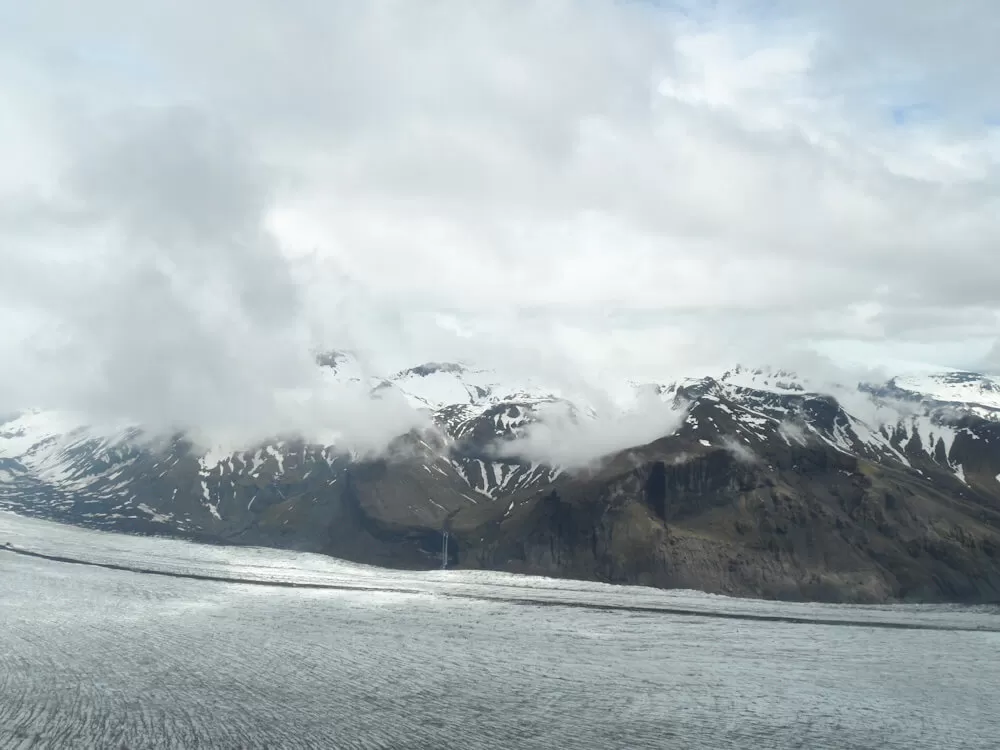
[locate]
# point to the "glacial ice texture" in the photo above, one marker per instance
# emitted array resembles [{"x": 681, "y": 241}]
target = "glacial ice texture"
[{"x": 92, "y": 657}]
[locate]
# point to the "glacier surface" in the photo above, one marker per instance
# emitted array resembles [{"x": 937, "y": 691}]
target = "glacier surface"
[{"x": 162, "y": 656}]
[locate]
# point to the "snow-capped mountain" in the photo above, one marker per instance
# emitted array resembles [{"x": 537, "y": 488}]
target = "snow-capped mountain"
[
  {"x": 915, "y": 460},
  {"x": 968, "y": 391}
]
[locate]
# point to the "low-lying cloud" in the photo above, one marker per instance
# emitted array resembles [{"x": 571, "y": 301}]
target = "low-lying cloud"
[
  {"x": 740, "y": 452},
  {"x": 563, "y": 437}
]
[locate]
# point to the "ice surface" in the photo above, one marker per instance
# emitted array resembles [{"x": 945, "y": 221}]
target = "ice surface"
[
  {"x": 29, "y": 429},
  {"x": 954, "y": 387},
  {"x": 92, "y": 657},
  {"x": 764, "y": 379},
  {"x": 434, "y": 390}
]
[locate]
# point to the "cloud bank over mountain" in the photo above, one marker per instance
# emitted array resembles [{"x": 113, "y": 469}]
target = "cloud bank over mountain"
[{"x": 193, "y": 205}]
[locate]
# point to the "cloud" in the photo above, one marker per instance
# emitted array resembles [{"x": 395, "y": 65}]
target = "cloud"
[
  {"x": 582, "y": 191},
  {"x": 794, "y": 432},
  {"x": 739, "y": 451},
  {"x": 991, "y": 362},
  {"x": 181, "y": 312},
  {"x": 565, "y": 438}
]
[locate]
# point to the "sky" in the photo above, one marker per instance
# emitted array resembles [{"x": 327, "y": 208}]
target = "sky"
[{"x": 197, "y": 197}]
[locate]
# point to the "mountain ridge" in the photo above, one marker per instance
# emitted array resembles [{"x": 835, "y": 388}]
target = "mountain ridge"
[{"x": 753, "y": 482}]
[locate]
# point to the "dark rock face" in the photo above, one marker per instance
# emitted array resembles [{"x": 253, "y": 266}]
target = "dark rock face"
[
  {"x": 824, "y": 532},
  {"x": 429, "y": 368}
]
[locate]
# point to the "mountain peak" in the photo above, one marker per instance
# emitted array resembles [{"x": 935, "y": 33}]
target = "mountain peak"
[
  {"x": 432, "y": 368},
  {"x": 765, "y": 378},
  {"x": 333, "y": 358}
]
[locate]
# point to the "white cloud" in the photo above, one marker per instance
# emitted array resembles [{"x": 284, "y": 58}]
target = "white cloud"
[
  {"x": 572, "y": 441},
  {"x": 740, "y": 451},
  {"x": 577, "y": 190}
]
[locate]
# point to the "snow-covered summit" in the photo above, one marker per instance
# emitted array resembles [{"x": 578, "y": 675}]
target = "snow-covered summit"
[{"x": 968, "y": 389}]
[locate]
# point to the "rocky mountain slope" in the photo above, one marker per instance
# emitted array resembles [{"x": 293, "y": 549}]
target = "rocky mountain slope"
[{"x": 751, "y": 482}]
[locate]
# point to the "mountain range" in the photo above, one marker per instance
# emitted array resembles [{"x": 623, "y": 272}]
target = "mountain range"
[{"x": 752, "y": 482}]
